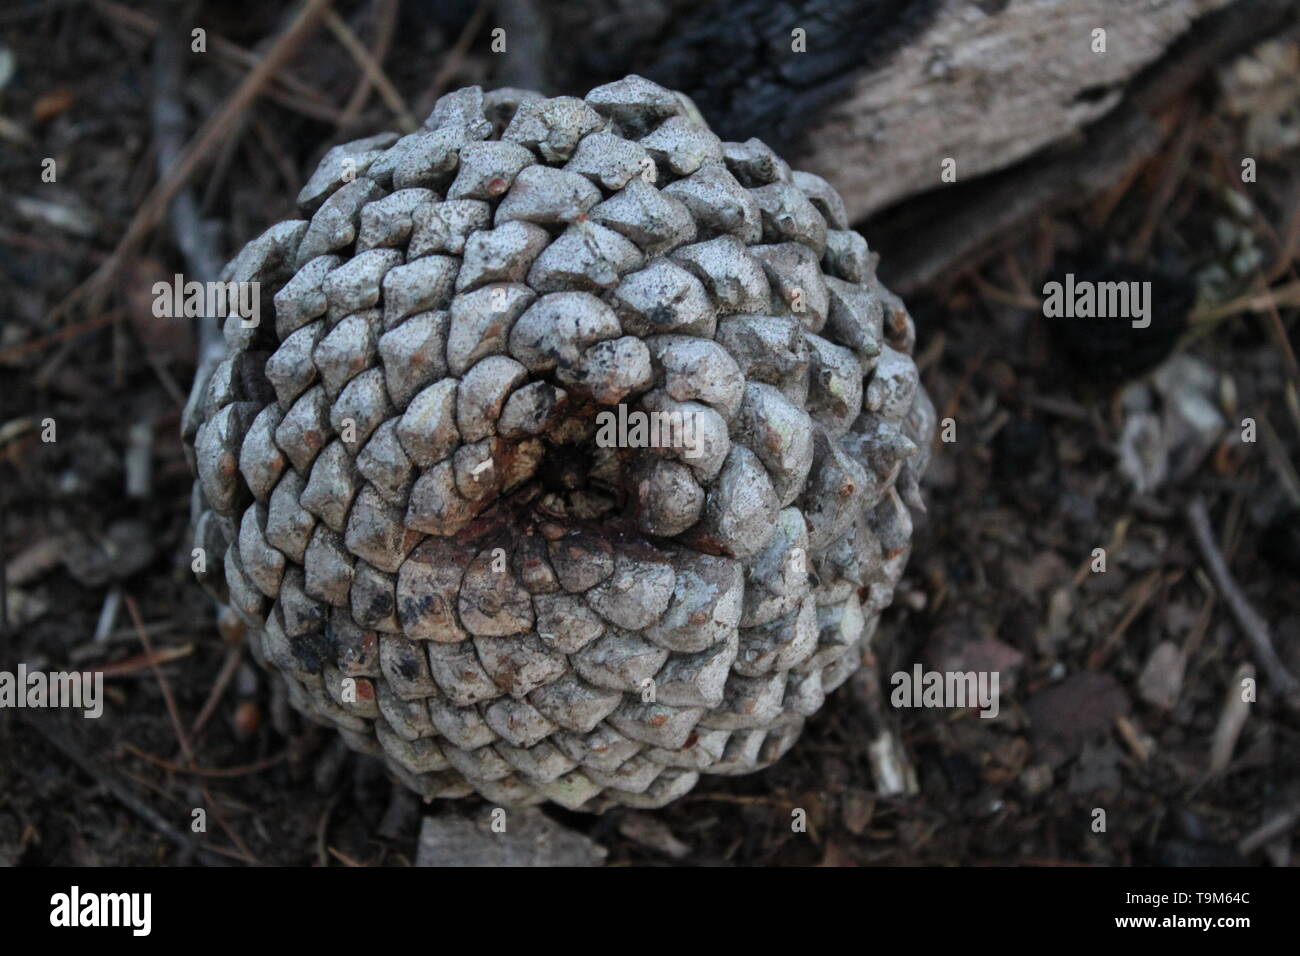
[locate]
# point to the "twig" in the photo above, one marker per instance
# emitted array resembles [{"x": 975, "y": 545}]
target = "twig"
[
  {"x": 123, "y": 794},
  {"x": 174, "y": 714},
  {"x": 1248, "y": 618},
  {"x": 344, "y": 858},
  {"x": 954, "y": 400},
  {"x": 137, "y": 462},
  {"x": 373, "y": 71},
  {"x": 285, "y": 88},
  {"x": 1290, "y": 237},
  {"x": 1288, "y": 294},
  {"x": 1279, "y": 333},
  {"x": 163, "y": 684},
  {"x": 62, "y": 335},
  {"x": 152, "y": 659},
  {"x": 457, "y": 53},
  {"x": 228, "y": 668},
  {"x": 243, "y": 771},
  {"x": 196, "y": 151},
  {"x": 41, "y": 556},
  {"x": 1278, "y": 458},
  {"x": 890, "y": 769},
  {"x": 322, "y": 828},
  {"x": 1232, "y": 719},
  {"x": 224, "y": 824},
  {"x": 385, "y": 24},
  {"x": 1133, "y": 739},
  {"x": 1142, "y": 593},
  {"x": 1017, "y": 300},
  {"x": 168, "y": 116},
  {"x": 1175, "y": 162},
  {"x": 1271, "y": 829}
]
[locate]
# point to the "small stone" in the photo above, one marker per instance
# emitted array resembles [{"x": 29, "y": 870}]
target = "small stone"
[{"x": 535, "y": 840}]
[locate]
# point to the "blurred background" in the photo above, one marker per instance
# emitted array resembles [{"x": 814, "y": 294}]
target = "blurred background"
[{"x": 134, "y": 149}]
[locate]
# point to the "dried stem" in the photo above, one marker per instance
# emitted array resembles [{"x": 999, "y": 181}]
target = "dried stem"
[{"x": 1248, "y": 618}]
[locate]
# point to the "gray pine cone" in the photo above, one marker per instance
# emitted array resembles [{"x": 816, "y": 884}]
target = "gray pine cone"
[{"x": 403, "y": 492}]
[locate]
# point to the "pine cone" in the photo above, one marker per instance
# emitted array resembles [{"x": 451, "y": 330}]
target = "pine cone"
[{"x": 402, "y": 487}]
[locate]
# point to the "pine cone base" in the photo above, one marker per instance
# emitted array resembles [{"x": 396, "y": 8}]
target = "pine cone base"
[{"x": 408, "y": 492}]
